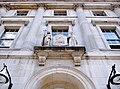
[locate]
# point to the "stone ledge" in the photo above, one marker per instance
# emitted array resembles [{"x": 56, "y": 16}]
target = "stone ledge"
[
  {"x": 103, "y": 54},
  {"x": 17, "y": 55}
]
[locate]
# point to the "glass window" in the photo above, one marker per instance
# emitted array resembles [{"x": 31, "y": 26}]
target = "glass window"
[
  {"x": 99, "y": 13},
  {"x": 60, "y": 13},
  {"x": 57, "y": 29},
  {"x": 8, "y": 36},
  {"x": 22, "y": 13},
  {"x": 112, "y": 37},
  {"x": 6, "y": 43}
]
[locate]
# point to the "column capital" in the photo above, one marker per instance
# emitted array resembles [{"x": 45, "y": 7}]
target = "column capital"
[
  {"x": 78, "y": 5},
  {"x": 7, "y": 6},
  {"x": 113, "y": 6},
  {"x": 41, "y": 5}
]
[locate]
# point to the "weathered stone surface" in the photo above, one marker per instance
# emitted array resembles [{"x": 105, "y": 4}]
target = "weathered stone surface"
[{"x": 59, "y": 70}]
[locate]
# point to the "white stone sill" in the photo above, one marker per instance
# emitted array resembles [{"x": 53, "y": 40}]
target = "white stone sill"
[{"x": 103, "y": 54}]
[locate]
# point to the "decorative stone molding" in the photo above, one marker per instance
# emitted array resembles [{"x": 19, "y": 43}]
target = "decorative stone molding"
[
  {"x": 14, "y": 22},
  {"x": 77, "y": 60},
  {"x": 95, "y": 22},
  {"x": 43, "y": 53},
  {"x": 94, "y": 6},
  {"x": 97, "y": 6},
  {"x": 77, "y": 57},
  {"x": 84, "y": 82},
  {"x": 21, "y": 6},
  {"x": 113, "y": 6},
  {"x": 41, "y": 5},
  {"x": 4, "y": 4},
  {"x": 78, "y": 5},
  {"x": 41, "y": 60},
  {"x": 59, "y": 6},
  {"x": 72, "y": 22},
  {"x": 41, "y": 57}
]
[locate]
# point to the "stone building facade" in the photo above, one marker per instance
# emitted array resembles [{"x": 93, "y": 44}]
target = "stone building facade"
[{"x": 60, "y": 44}]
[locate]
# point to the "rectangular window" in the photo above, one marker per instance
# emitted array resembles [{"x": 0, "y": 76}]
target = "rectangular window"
[
  {"x": 112, "y": 37},
  {"x": 99, "y": 13},
  {"x": 21, "y": 13},
  {"x": 8, "y": 36},
  {"x": 60, "y": 29},
  {"x": 60, "y": 13}
]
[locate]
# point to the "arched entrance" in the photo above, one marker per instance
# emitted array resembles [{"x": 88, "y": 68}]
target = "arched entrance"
[
  {"x": 60, "y": 81},
  {"x": 59, "y": 78}
]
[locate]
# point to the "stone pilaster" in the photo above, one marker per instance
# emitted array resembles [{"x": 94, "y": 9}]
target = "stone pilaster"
[
  {"x": 89, "y": 40},
  {"x": 31, "y": 38}
]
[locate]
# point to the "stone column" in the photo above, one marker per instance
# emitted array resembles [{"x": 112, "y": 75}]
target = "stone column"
[
  {"x": 117, "y": 11},
  {"x": 3, "y": 11},
  {"x": 88, "y": 37},
  {"x": 31, "y": 38}
]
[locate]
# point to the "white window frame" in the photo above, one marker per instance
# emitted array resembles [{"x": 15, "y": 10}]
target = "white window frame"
[
  {"x": 9, "y": 27},
  {"x": 91, "y": 11},
  {"x": 21, "y": 11},
  {"x": 107, "y": 45},
  {"x": 60, "y": 10},
  {"x": 61, "y": 29}
]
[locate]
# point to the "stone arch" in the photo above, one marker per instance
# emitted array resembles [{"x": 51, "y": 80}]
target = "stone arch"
[{"x": 56, "y": 76}]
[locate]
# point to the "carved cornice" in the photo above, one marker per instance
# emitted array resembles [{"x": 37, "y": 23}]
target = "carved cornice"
[
  {"x": 94, "y": 6},
  {"x": 60, "y": 5},
  {"x": 72, "y": 22},
  {"x": 97, "y": 6},
  {"x": 14, "y": 22},
  {"x": 22, "y": 6}
]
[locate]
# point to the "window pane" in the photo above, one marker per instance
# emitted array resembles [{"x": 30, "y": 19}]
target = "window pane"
[
  {"x": 21, "y": 13},
  {"x": 60, "y": 13},
  {"x": 99, "y": 13},
  {"x": 109, "y": 35},
  {"x": 6, "y": 42},
  {"x": 114, "y": 42},
  {"x": 65, "y": 33},
  {"x": 54, "y": 33},
  {"x": 9, "y": 35},
  {"x": 58, "y": 31}
]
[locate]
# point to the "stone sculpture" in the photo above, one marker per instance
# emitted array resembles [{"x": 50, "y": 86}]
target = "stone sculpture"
[
  {"x": 59, "y": 40},
  {"x": 72, "y": 40}
]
